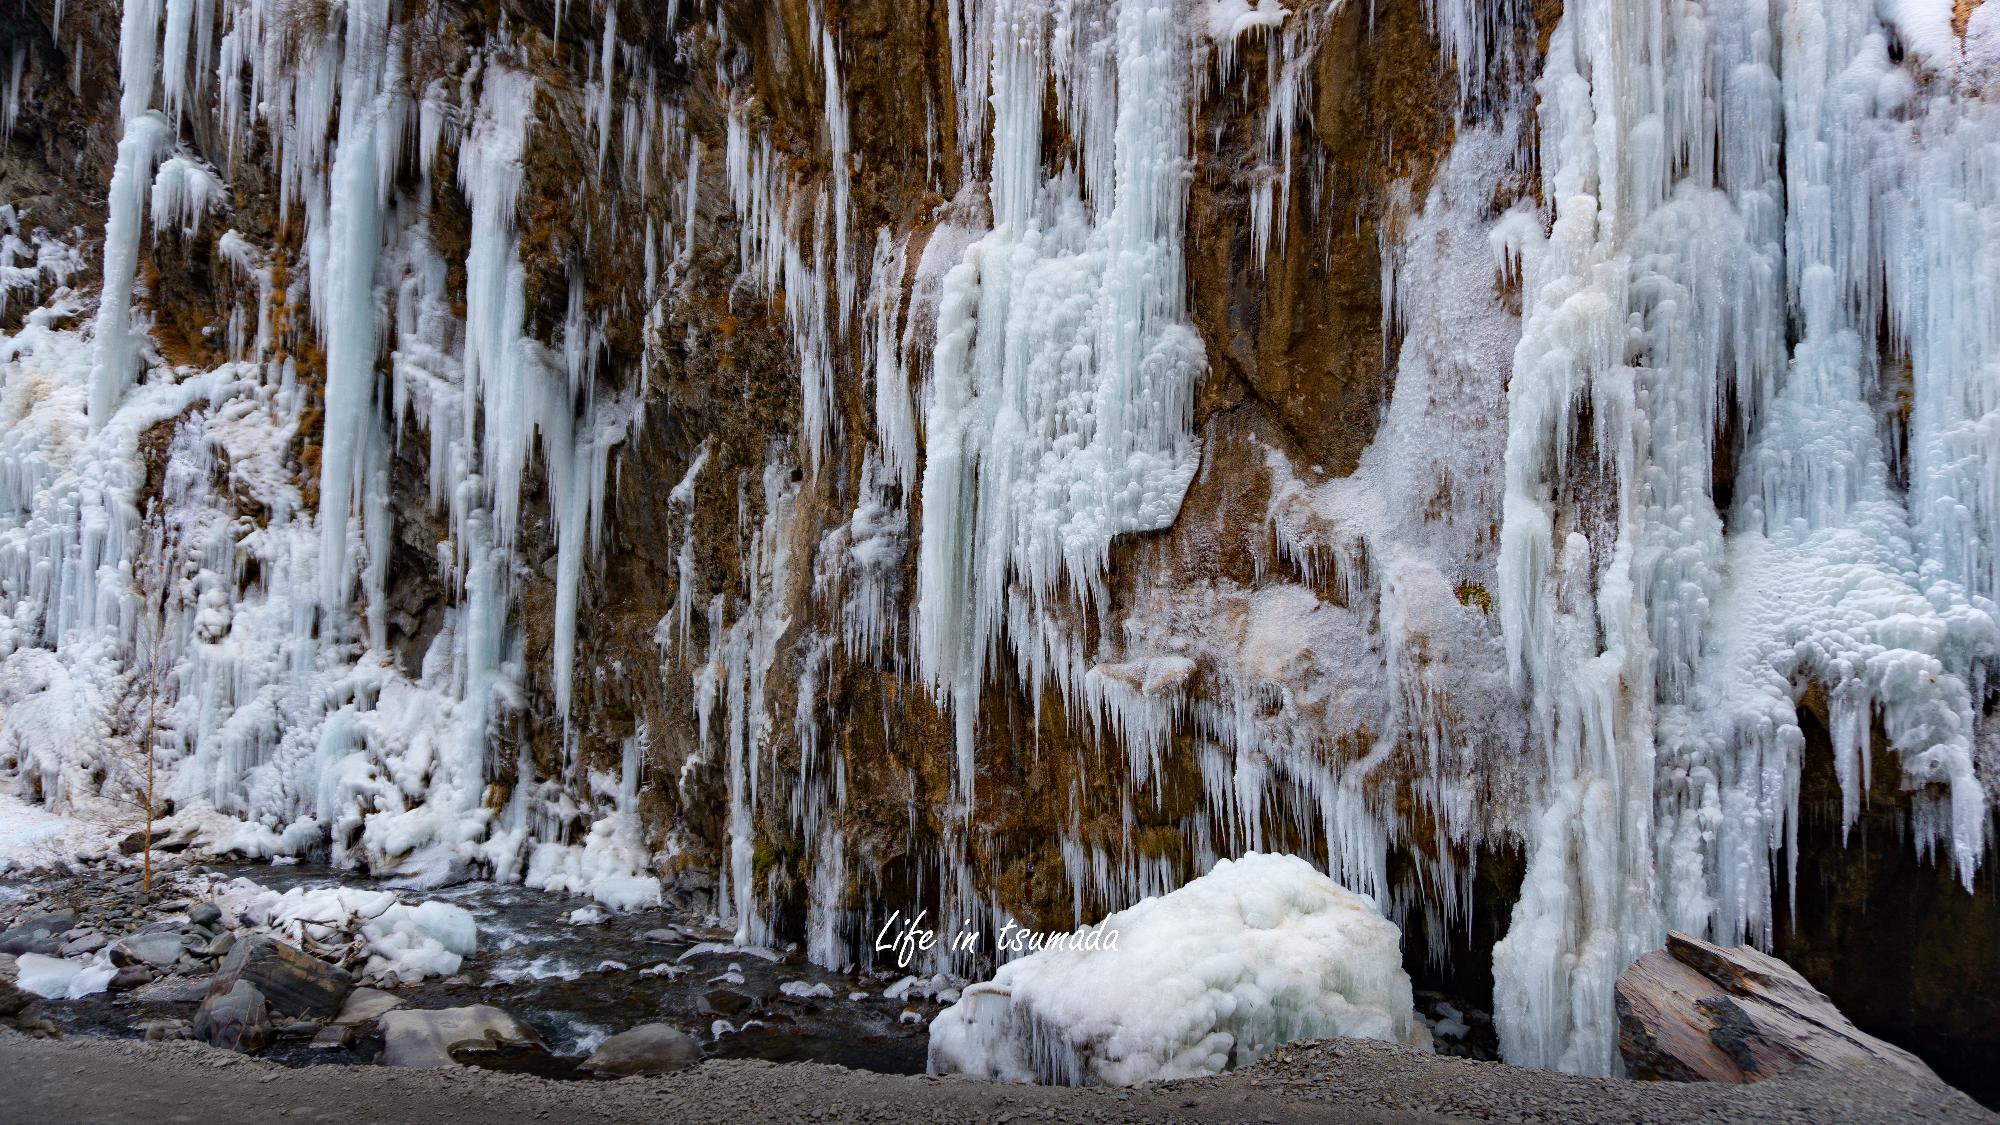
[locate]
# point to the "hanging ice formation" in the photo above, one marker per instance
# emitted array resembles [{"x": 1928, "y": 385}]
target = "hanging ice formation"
[
  {"x": 1735, "y": 456},
  {"x": 1741, "y": 195}
]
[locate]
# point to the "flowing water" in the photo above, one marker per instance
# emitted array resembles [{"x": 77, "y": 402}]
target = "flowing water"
[{"x": 577, "y": 984}]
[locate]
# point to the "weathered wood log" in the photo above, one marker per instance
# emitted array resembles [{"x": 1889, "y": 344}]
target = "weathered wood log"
[{"x": 1696, "y": 1012}]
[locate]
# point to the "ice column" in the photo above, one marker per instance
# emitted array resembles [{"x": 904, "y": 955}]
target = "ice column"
[{"x": 1064, "y": 367}]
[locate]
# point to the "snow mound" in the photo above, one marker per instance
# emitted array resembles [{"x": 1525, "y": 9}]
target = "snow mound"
[
  {"x": 427, "y": 939},
  {"x": 1259, "y": 952},
  {"x": 412, "y": 940}
]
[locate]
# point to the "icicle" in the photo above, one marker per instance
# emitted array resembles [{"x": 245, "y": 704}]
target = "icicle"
[{"x": 146, "y": 135}]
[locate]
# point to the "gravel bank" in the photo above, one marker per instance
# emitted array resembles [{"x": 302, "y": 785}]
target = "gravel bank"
[{"x": 158, "y": 1083}]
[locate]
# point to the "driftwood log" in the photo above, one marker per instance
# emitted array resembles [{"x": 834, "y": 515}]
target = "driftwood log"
[{"x": 1696, "y": 1012}]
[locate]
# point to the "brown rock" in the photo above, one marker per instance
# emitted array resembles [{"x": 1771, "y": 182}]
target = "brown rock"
[
  {"x": 1696, "y": 1012},
  {"x": 293, "y": 981}
]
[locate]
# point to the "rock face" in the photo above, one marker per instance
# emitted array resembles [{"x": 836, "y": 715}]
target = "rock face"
[
  {"x": 747, "y": 434},
  {"x": 653, "y": 1048},
  {"x": 446, "y": 1036},
  {"x": 237, "y": 1019},
  {"x": 296, "y": 983},
  {"x": 1696, "y": 1012}
]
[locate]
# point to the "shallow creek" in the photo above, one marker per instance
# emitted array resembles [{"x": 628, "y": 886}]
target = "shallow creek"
[{"x": 578, "y": 983}]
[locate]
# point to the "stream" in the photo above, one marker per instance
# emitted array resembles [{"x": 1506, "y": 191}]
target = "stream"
[{"x": 577, "y": 983}]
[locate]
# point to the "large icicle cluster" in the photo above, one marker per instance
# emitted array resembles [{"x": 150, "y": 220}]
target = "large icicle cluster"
[
  {"x": 1065, "y": 369},
  {"x": 1729, "y": 189}
]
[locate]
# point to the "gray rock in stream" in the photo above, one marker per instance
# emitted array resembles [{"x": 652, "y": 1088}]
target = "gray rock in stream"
[
  {"x": 653, "y": 1048},
  {"x": 297, "y": 983}
]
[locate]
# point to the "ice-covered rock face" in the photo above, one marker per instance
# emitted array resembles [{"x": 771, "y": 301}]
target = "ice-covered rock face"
[
  {"x": 1259, "y": 952},
  {"x": 788, "y": 453}
]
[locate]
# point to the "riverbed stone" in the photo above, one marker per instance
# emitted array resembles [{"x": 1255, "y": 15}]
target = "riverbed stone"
[
  {"x": 333, "y": 1037},
  {"x": 366, "y": 1005},
  {"x": 725, "y": 1002},
  {"x": 170, "y": 990},
  {"x": 653, "y": 1048},
  {"x": 84, "y": 944},
  {"x": 159, "y": 948},
  {"x": 38, "y": 933},
  {"x": 435, "y": 1037},
  {"x": 165, "y": 1030},
  {"x": 205, "y": 914},
  {"x": 295, "y": 982},
  {"x": 237, "y": 1020}
]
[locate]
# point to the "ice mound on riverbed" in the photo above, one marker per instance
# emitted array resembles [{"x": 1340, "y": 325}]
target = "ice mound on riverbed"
[
  {"x": 1259, "y": 952},
  {"x": 412, "y": 940},
  {"x": 55, "y": 978}
]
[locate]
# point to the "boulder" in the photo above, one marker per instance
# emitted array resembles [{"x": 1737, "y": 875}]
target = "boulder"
[
  {"x": 296, "y": 983},
  {"x": 653, "y": 1048},
  {"x": 365, "y": 1006},
  {"x": 1697, "y": 1012},
  {"x": 238, "y": 1019},
  {"x": 160, "y": 949},
  {"x": 205, "y": 914},
  {"x": 452, "y": 1036}
]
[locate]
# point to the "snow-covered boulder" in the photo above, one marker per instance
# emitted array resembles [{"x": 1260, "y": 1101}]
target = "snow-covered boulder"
[{"x": 1259, "y": 952}]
